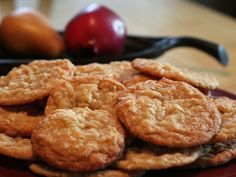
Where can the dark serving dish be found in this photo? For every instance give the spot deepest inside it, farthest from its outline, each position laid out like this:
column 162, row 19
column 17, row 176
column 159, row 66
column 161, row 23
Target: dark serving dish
column 136, row 46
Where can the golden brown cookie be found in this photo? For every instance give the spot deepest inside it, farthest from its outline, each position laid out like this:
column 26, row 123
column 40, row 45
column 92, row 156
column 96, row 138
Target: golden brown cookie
column 34, row 81
column 48, row 171
column 168, row 116
column 18, row 147
column 223, row 104
column 227, row 131
column 17, row 123
column 89, row 91
column 157, row 158
column 216, row 154
column 93, row 92
column 20, row 120
column 78, row 139
column 113, row 70
column 45, row 170
column 170, row 89
column 159, row 70
column 135, row 78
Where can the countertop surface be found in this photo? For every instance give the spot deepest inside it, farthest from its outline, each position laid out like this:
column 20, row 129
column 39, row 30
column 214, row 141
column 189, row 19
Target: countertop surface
column 158, row 18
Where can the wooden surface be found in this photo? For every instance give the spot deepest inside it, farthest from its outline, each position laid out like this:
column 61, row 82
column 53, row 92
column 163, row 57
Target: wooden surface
column 158, row 18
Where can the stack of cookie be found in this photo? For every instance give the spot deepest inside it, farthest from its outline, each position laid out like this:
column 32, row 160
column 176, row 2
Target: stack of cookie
column 116, row 119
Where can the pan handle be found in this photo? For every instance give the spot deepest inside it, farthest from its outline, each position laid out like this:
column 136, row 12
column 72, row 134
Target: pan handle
column 216, row 50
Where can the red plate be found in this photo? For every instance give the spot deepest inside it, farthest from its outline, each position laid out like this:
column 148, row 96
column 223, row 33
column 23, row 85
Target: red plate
column 11, row 167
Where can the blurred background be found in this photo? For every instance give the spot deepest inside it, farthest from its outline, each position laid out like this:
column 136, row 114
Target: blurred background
column 59, row 11
column 224, row 6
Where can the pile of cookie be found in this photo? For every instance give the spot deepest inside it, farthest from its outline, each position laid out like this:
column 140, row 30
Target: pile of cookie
column 117, row 119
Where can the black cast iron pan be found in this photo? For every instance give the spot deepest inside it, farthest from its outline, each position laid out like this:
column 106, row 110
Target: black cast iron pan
column 136, row 46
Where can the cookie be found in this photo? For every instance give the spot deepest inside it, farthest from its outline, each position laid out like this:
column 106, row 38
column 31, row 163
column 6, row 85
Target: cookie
column 227, row 131
column 170, row 89
column 93, row 92
column 90, row 91
column 157, row 158
column 78, row 139
column 17, row 123
column 167, row 116
column 113, row 70
column 133, row 79
column 33, row 81
column 20, row 120
column 216, row 154
column 45, row 170
column 159, row 70
column 223, row 104
column 19, row 148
